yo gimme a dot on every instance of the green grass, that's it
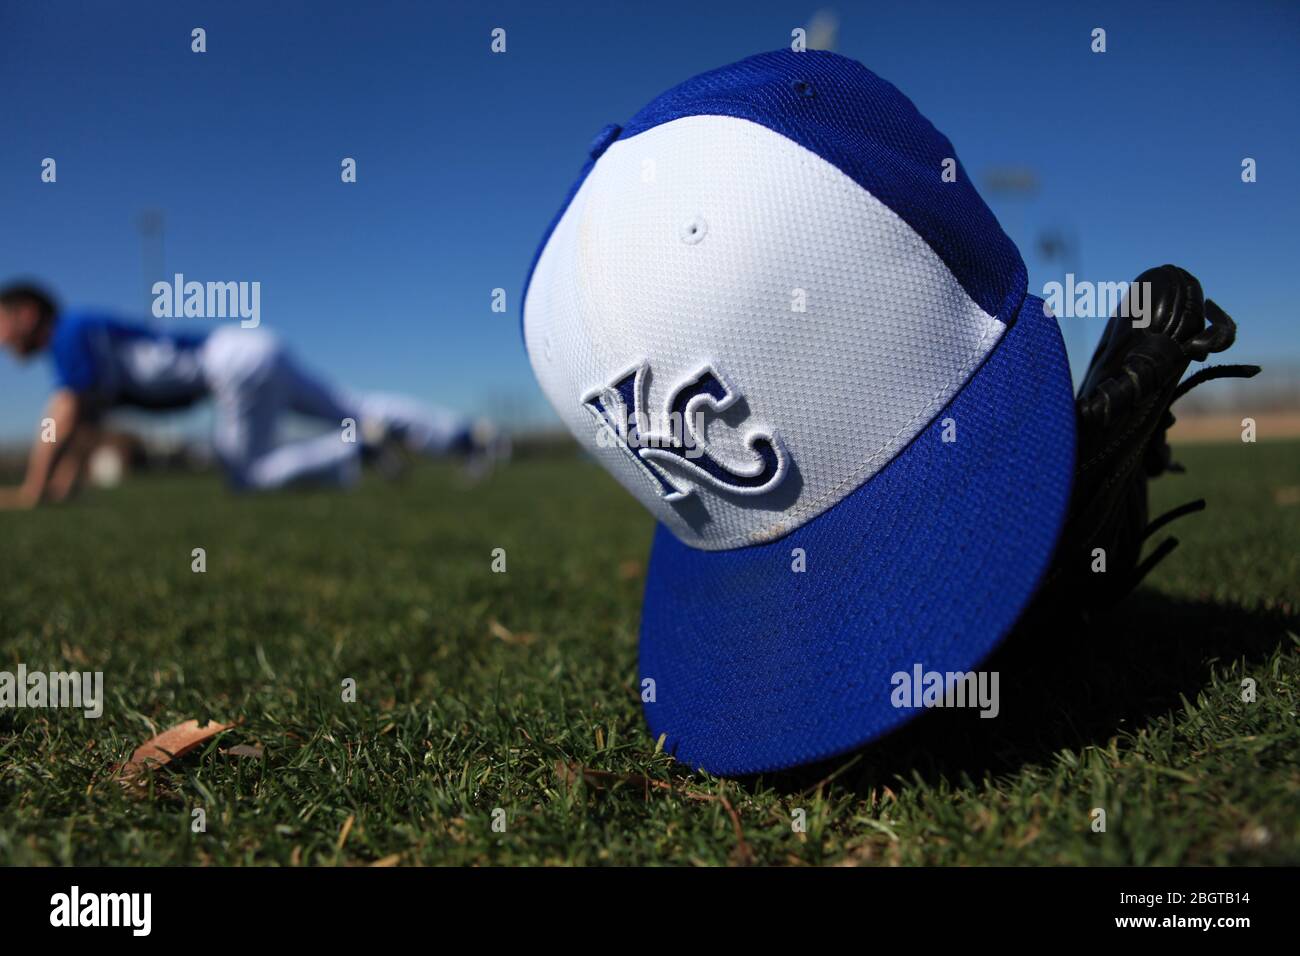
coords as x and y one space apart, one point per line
537 714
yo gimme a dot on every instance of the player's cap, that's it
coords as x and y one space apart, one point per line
776 309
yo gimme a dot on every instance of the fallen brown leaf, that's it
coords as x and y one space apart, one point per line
171 743
244 750
503 633
74 654
571 773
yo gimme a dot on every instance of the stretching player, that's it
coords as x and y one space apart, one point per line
101 363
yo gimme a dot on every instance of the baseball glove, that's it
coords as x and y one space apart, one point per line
1123 413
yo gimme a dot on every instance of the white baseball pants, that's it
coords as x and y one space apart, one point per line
255 382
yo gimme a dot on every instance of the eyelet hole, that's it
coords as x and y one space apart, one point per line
803 88
694 230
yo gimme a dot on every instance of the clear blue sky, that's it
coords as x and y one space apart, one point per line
464 155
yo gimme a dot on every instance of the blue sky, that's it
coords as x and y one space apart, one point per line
464 156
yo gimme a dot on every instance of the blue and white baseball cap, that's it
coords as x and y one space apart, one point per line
812 356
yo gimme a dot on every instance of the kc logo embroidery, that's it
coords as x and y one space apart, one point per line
675 448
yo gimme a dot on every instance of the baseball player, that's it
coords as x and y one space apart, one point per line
101 363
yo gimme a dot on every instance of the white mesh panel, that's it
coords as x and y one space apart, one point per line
887 338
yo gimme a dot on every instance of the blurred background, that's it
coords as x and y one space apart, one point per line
225 166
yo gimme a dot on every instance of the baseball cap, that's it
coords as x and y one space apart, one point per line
776 309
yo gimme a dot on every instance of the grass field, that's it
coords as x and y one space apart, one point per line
478 690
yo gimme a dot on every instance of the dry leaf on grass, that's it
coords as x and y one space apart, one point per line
503 633
571 773
1286 495
253 751
171 743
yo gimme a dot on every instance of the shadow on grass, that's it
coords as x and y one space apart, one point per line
1063 687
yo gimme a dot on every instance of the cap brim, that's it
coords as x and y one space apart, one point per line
758 666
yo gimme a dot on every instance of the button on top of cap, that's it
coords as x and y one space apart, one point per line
603 139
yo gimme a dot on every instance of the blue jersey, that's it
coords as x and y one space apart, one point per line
119 363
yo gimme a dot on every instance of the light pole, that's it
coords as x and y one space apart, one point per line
152 227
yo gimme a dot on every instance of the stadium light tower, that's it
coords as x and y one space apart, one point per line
1017 185
823 30
1055 247
1059 247
152 227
